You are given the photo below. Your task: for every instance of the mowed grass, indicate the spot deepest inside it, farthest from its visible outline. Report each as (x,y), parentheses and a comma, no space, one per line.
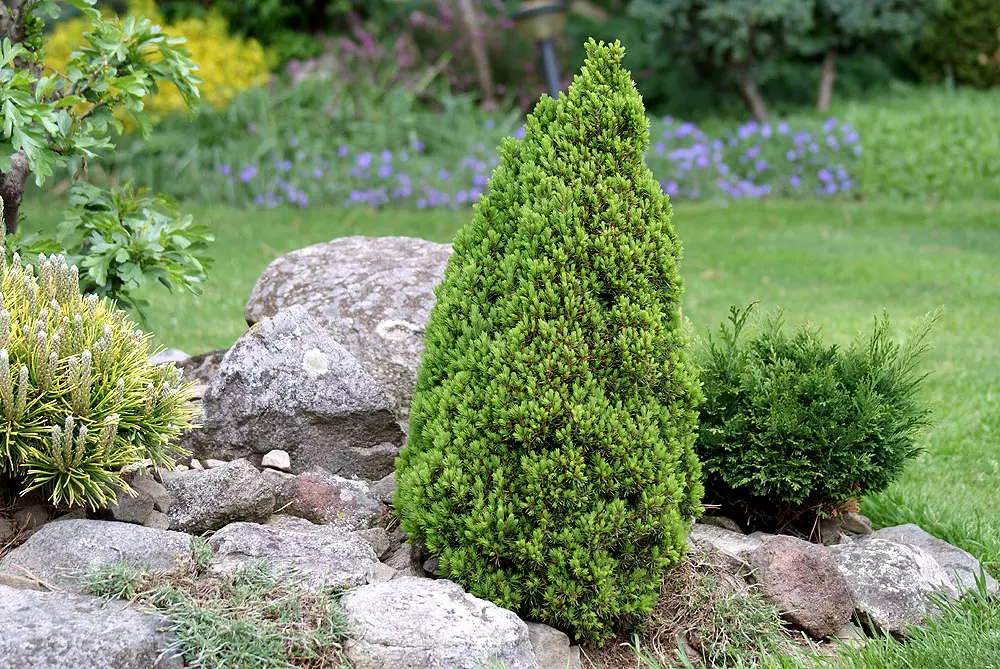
(837,265)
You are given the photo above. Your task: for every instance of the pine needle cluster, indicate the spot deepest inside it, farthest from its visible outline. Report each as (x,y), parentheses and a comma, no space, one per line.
(80,404)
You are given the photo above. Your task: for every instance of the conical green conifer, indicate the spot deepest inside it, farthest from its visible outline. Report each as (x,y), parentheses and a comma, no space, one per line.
(550,464)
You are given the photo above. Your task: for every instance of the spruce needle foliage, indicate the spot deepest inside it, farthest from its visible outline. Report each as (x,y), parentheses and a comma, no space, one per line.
(550,463)
(80,404)
(793,428)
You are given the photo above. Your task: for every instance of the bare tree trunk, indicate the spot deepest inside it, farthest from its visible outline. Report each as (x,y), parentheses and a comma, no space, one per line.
(748,87)
(826,80)
(12,182)
(479,54)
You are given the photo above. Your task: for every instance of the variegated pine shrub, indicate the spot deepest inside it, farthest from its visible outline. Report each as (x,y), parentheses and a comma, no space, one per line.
(80,404)
(550,463)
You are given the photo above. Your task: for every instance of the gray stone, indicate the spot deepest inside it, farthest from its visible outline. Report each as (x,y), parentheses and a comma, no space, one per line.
(962,567)
(158,521)
(381,573)
(207,500)
(277,459)
(149,487)
(373,295)
(287,383)
(203,367)
(408,561)
(170,355)
(60,553)
(7,530)
(75,514)
(334,500)
(552,649)
(431,564)
(415,623)
(829,531)
(53,630)
(721,521)
(855,523)
(130,508)
(891,584)
(31,517)
(322,554)
(802,579)
(735,545)
(211,463)
(196,464)
(379,540)
(385,488)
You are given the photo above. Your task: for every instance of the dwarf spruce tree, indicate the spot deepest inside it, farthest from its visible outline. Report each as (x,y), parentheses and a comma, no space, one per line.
(550,464)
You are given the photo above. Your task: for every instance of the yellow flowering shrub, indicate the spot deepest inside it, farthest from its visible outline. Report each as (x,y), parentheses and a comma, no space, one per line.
(227,64)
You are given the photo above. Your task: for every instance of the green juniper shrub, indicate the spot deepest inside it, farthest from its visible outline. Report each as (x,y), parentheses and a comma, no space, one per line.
(550,464)
(793,428)
(80,404)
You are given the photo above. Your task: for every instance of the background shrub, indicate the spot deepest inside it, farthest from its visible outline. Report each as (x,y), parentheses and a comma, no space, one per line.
(226,64)
(550,462)
(964,45)
(792,427)
(80,402)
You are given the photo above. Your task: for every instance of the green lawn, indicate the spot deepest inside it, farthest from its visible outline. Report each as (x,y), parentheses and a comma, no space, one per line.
(832,264)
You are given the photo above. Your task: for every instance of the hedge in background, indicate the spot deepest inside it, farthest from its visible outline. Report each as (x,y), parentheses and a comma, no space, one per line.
(550,462)
(227,64)
(964,44)
(793,428)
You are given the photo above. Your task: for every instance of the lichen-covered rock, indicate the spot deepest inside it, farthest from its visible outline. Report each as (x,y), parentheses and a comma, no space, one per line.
(332,500)
(209,499)
(415,623)
(287,384)
(962,567)
(892,584)
(372,294)
(322,554)
(802,579)
(54,630)
(61,553)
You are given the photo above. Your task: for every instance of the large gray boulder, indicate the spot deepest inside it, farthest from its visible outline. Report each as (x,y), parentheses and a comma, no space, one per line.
(61,553)
(53,630)
(892,584)
(287,384)
(321,554)
(962,567)
(414,623)
(209,499)
(372,294)
(802,579)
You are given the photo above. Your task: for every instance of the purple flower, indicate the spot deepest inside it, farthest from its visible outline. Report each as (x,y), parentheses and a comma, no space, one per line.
(851,137)
(667,120)
(722,168)
(385,171)
(285,165)
(670,188)
(364,160)
(783,128)
(857,150)
(795,181)
(403,155)
(831,141)
(461,196)
(248,173)
(814,147)
(443,175)
(760,165)
(660,147)
(342,151)
(386,156)
(293,142)
(685,129)
(519,133)
(258,200)
(831,188)
(489,124)
(765,130)
(480,180)
(824,175)
(225,170)
(667,134)
(418,146)
(791,155)
(830,124)
(317,173)
(752,152)
(702,162)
